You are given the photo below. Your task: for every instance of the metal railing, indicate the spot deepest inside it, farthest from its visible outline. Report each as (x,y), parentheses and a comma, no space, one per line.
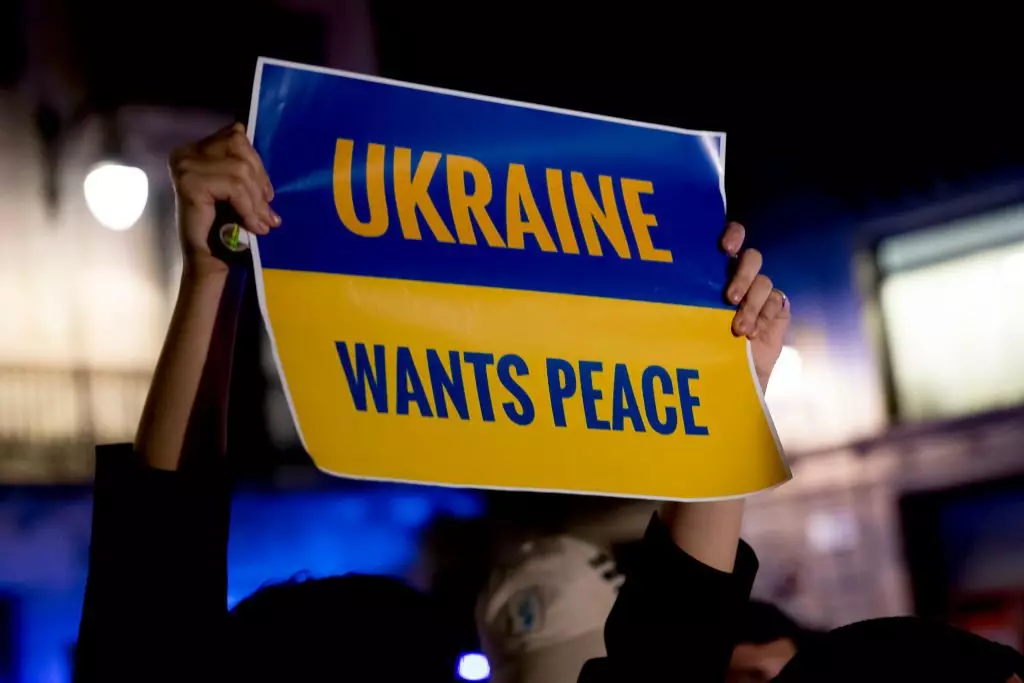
(51,419)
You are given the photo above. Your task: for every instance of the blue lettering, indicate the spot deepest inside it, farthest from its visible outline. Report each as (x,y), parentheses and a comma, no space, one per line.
(625,402)
(480,363)
(409,385)
(687,402)
(363,374)
(367,378)
(561,385)
(444,383)
(668,425)
(521,410)
(590,395)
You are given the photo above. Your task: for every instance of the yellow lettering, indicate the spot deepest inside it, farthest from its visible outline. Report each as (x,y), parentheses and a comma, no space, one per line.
(641,222)
(606,216)
(377,225)
(470,190)
(411,193)
(465,204)
(519,198)
(559,209)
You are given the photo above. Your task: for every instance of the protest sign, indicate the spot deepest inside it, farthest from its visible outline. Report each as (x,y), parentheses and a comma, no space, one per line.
(474,292)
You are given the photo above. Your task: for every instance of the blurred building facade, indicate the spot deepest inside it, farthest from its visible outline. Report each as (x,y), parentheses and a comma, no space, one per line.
(899,401)
(83,308)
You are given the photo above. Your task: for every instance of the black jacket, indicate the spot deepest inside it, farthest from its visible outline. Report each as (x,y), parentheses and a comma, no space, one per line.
(156,598)
(675,619)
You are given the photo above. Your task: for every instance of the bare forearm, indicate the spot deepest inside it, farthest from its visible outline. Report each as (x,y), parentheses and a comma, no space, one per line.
(708,532)
(179,372)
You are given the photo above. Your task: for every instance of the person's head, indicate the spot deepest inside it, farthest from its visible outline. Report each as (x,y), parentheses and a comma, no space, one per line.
(903,650)
(766,640)
(542,615)
(351,627)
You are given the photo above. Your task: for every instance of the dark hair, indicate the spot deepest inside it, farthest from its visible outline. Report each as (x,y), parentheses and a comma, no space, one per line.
(900,649)
(339,628)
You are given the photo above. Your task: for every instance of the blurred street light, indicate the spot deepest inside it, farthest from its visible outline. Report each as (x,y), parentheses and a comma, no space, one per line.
(787,375)
(116,194)
(474,667)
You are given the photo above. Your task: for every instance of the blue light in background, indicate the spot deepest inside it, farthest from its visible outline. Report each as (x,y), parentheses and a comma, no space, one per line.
(373,530)
(474,667)
(411,511)
(353,510)
(462,504)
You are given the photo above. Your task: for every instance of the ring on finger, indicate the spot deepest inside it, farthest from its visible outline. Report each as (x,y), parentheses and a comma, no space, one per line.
(785,299)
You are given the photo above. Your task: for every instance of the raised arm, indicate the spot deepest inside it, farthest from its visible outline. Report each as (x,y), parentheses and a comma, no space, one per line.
(676,613)
(156,594)
(709,532)
(223,167)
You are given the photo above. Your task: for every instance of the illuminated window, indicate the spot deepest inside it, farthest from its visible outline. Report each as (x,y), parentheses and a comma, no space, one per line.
(953,316)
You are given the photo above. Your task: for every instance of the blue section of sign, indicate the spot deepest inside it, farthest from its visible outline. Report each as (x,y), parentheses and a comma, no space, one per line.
(302,113)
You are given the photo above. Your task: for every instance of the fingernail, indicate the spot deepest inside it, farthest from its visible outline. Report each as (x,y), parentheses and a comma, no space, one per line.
(264,228)
(734,296)
(275,219)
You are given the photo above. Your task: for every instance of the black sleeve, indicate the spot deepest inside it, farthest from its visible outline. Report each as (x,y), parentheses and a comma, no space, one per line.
(156,596)
(675,617)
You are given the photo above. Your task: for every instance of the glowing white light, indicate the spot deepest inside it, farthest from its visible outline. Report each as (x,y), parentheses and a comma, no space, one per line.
(1013,268)
(787,375)
(116,194)
(474,667)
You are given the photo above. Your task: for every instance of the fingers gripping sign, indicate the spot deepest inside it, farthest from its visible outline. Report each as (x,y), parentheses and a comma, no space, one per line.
(210,176)
(763,312)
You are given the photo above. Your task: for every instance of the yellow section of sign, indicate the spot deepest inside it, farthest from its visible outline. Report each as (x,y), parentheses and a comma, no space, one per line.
(487,387)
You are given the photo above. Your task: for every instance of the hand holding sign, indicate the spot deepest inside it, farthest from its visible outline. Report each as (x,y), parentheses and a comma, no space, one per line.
(764,314)
(223,167)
